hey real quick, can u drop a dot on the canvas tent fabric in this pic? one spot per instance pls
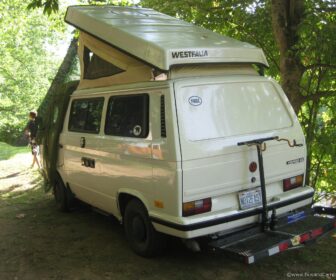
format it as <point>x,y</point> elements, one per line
<point>158,39</point>
<point>130,68</point>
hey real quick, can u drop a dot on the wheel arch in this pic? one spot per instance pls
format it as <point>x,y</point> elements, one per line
<point>126,195</point>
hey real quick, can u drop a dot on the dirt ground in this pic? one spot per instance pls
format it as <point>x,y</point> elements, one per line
<point>38,242</point>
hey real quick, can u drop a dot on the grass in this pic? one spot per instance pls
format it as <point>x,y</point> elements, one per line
<point>38,242</point>
<point>7,151</point>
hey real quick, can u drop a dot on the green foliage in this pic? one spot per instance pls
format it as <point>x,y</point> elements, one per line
<point>8,151</point>
<point>26,66</point>
<point>49,6</point>
<point>246,20</point>
<point>27,63</point>
<point>318,114</point>
<point>250,21</point>
<point>52,6</point>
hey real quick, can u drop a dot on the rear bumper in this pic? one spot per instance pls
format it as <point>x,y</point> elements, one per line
<point>230,221</point>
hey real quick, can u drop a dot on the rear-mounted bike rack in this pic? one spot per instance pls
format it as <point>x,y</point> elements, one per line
<point>251,245</point>
<point>280,234</point>
<point>261,146</point>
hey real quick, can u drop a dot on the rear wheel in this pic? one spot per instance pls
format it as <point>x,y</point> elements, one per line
<point>140,233</point>
<point>63,197</point>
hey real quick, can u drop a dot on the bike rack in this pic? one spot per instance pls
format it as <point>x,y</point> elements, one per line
<point>293,230</point>
<point>261,146</point>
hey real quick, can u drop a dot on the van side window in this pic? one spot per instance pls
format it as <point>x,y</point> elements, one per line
<point>128,116</point>
<point>85,115</point>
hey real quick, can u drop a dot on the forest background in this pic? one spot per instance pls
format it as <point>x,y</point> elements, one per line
<point>297,36</point>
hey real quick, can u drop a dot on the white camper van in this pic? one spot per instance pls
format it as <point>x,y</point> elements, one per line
<point>173,131</point>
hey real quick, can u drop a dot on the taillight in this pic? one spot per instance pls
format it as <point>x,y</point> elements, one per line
<point>197,207</point>
<point>292,183</point>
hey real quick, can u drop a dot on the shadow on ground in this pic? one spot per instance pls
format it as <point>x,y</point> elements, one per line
<point>38,242</point>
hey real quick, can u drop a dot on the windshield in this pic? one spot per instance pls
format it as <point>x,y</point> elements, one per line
<point>229,109</point>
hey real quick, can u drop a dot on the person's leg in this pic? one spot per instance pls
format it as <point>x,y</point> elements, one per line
<point>37,161</point>
<point>35,152</point>
<point>34,159</point>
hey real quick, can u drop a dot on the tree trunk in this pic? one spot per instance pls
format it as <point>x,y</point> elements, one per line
<point>286,18</point>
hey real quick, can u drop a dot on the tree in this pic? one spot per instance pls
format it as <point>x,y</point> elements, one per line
<point>299,39</point>
<point>68,65</point>
<point>27,63</point>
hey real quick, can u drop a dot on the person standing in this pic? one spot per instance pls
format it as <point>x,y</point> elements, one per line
<point>31,132</point>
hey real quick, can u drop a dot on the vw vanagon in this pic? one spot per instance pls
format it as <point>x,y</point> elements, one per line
<point>174,130</point>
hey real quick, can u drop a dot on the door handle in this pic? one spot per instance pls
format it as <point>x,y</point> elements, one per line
<point>82,142</point>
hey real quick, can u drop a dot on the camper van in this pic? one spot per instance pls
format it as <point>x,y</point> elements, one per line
<point>174,130</point>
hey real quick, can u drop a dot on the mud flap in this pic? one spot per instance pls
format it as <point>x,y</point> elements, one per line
<point>292,231</point>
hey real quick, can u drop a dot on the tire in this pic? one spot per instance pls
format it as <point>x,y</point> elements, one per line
<point>141,235</point>
<point>63,197</point>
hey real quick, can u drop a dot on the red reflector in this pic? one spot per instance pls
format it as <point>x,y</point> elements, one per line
<point>316,232</point>
<point>283,246</point>
<point>253,166</point>
<point>304,237</point>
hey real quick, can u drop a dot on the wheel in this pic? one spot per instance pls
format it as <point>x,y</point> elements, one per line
<point>63,197</point>
<point>141,235</point>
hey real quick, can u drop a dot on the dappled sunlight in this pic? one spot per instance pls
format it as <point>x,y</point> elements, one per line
<point>17,177</point>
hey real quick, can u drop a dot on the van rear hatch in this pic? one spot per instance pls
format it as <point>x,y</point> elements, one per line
<point>214,115</point>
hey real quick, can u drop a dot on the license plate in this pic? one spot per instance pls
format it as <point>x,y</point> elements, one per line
<point>249,199</point>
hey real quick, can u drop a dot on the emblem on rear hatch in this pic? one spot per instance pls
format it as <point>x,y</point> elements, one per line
<point>195,100</point>
<point>294,161</point>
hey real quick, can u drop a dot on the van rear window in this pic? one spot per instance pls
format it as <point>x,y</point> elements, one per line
<point>230,109</point>
<point>85,115</point>
<point>127,116</point>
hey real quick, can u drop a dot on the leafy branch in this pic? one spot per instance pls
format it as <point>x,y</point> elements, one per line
<point>49,6</point>
<point>319,65</point>
<point>320,94</point>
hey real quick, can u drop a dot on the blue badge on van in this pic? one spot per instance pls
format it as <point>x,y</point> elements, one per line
<point>195,100</point>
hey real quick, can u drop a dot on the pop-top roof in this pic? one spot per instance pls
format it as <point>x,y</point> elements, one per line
<point>158,39</point>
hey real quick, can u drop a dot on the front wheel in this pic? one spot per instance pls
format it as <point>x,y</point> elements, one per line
<point>140,233</point>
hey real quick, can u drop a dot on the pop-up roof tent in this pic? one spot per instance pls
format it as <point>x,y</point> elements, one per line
<point>124,44</point>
